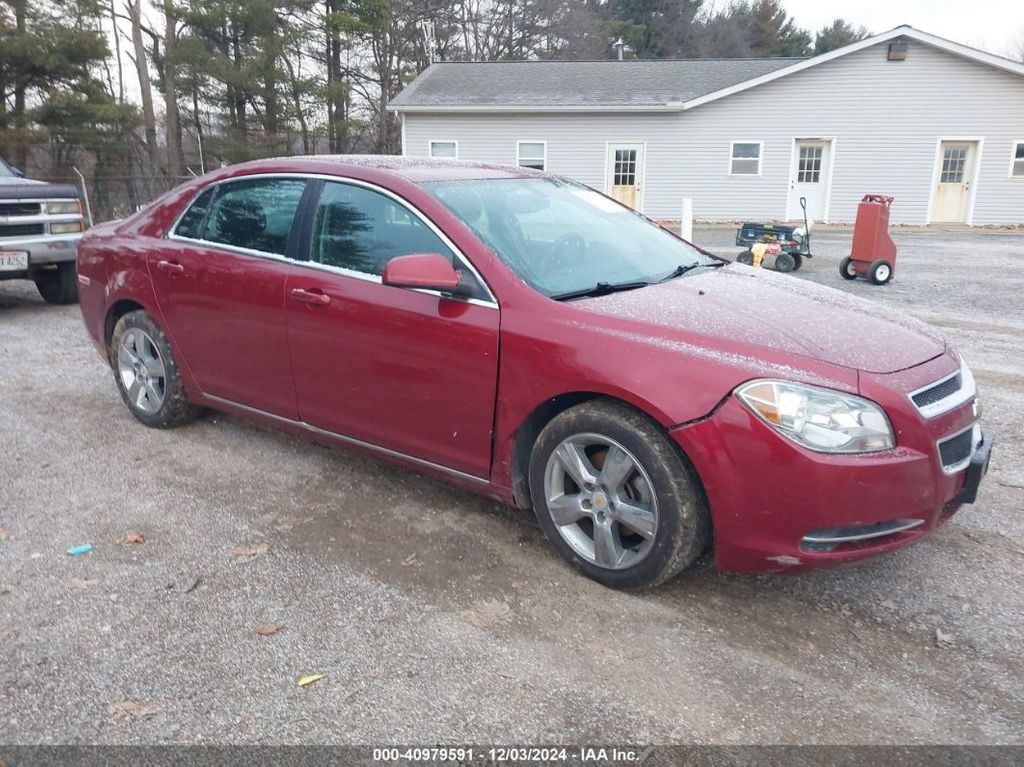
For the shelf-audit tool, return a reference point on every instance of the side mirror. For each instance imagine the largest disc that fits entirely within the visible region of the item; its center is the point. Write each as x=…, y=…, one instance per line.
x=425, y=271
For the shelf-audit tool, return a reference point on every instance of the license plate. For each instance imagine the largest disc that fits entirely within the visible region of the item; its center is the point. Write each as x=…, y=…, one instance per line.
x=13, y=261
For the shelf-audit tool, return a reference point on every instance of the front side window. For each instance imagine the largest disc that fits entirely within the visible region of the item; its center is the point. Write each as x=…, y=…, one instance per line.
x=255, y=214
x=745, y=159
x=361, y=230
x=191, y=224
x=561, y=237
x=532, y=154
x=444, y=149
x=1017, y=168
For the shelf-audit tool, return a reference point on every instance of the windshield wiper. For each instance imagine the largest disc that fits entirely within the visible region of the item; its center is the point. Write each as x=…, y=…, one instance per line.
x=682, y=269
x=600, y=289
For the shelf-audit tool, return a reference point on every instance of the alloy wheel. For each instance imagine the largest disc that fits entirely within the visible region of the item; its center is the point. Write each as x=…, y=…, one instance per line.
x=601, y=500
x=141, y=370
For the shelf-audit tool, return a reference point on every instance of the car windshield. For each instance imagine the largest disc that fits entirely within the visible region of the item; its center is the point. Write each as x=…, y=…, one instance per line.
x=565, y=239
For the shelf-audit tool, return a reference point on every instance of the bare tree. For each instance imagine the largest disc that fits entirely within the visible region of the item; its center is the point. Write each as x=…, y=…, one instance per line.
x=172, y=116
x=145, y=87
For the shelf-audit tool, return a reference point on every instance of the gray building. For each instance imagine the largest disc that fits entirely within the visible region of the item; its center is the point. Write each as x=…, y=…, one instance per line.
x=938, y=125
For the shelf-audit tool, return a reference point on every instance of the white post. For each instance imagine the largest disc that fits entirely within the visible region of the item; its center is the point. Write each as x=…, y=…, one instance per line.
x=85, y=194
x=686, y=221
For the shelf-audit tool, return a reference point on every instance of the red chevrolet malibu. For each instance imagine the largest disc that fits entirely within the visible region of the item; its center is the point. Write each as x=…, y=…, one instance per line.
x=526, y=337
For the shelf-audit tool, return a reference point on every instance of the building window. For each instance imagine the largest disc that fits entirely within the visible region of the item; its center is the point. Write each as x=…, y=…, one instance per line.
x=1017, y=164
x=954, y=160
x=745, y=158
x=532, y=154
x=808, y=170
x=446, y=149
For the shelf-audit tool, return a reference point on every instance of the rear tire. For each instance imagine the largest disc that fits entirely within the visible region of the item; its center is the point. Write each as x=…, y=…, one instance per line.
x=847, y=270
x=798, y=261
x=880, y=272
x=638, y=477
x=785, y=262
x=146, y=373
x=58, y=286
x=746, y=257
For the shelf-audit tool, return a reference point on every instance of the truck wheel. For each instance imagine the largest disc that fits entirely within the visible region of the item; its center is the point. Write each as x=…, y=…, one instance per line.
x=785, y=262
x=880, y=272
x=615, y=497
x=58, y=286
x=746, y=257
x=847, y=270
x=146, y=373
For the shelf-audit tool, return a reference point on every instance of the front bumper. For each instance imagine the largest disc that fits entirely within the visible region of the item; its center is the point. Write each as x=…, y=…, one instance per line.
x=778, y=507
x=43, y=250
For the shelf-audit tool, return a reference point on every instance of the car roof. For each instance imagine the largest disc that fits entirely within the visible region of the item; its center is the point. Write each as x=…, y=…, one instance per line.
x=414, y=169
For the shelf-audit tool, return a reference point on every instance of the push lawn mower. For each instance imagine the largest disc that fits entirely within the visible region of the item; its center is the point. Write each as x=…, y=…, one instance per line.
x=782, y=248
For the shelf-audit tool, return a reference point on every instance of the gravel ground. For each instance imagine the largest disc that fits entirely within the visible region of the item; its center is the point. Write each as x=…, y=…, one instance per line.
x=438, y=616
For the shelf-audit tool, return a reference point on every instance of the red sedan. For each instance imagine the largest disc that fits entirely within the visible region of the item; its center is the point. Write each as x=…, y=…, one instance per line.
x=526, y=337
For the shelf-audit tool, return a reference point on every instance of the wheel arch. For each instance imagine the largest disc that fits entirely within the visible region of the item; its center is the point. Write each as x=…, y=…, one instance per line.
x=116, y=311
x=530, y=428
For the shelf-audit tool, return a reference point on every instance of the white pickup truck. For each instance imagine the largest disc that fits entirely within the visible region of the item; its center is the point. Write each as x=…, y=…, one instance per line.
x=40, y=226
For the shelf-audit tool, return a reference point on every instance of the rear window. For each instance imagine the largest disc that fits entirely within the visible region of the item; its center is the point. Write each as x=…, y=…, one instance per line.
x=255, y=214
x=191, y=224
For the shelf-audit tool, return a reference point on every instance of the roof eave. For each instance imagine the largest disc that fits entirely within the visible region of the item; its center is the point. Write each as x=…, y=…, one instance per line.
x=964, y=51
x=671, y=106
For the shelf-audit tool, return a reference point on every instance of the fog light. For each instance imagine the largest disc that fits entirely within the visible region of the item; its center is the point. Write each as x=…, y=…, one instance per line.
x=66, y=227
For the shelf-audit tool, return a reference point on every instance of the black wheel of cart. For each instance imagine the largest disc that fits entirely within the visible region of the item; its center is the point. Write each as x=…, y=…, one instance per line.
x=746, y=257
x=847, y=270
x=785, y=262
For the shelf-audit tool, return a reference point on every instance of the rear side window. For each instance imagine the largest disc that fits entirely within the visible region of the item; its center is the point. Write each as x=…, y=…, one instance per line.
x=191, y=224
x=361, y=230
x=255, y=214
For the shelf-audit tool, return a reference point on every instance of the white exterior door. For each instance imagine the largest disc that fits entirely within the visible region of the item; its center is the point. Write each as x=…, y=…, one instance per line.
x=624, y=173
x=809, y=179
x=952, y=193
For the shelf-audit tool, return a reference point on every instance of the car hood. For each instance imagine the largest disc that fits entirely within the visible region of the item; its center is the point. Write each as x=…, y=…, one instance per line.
x=13, y=188
x=758, y=308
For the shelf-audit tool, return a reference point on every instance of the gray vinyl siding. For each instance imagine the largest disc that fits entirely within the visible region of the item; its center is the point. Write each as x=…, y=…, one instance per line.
x=885, y=119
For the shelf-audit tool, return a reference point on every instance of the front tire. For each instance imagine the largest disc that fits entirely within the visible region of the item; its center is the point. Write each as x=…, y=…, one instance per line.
x=146, y=373
x=615, y=497
x=58, y=286
x=880, y=272
x=746, y=257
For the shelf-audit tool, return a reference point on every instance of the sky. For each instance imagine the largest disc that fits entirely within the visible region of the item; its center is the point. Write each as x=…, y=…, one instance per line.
x=992, y=25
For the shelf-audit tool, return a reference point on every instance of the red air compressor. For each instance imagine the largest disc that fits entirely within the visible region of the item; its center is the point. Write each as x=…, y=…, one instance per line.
x=873, y=255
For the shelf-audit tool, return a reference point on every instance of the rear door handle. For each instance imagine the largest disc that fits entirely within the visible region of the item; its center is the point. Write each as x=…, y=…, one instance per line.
x=311, y=296
x=172, y=267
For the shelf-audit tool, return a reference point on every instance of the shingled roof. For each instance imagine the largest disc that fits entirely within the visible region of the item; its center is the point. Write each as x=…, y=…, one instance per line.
x=577, y=84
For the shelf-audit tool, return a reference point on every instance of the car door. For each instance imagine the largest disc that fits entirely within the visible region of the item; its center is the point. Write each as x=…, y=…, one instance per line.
x=409, y=371
x=220, y=283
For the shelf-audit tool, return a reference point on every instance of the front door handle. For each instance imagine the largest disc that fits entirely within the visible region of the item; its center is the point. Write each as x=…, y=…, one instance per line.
x=312, y=296
x=171, y=267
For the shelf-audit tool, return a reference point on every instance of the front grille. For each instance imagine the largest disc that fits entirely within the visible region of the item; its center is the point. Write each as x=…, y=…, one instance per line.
x=20, y=230
x=956, y=451
x=939, y=392
x=20, y=208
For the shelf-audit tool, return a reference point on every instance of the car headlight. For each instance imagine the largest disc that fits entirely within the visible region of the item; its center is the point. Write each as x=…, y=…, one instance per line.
x=64, y=207
x=819, y=419
x=66, y=227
